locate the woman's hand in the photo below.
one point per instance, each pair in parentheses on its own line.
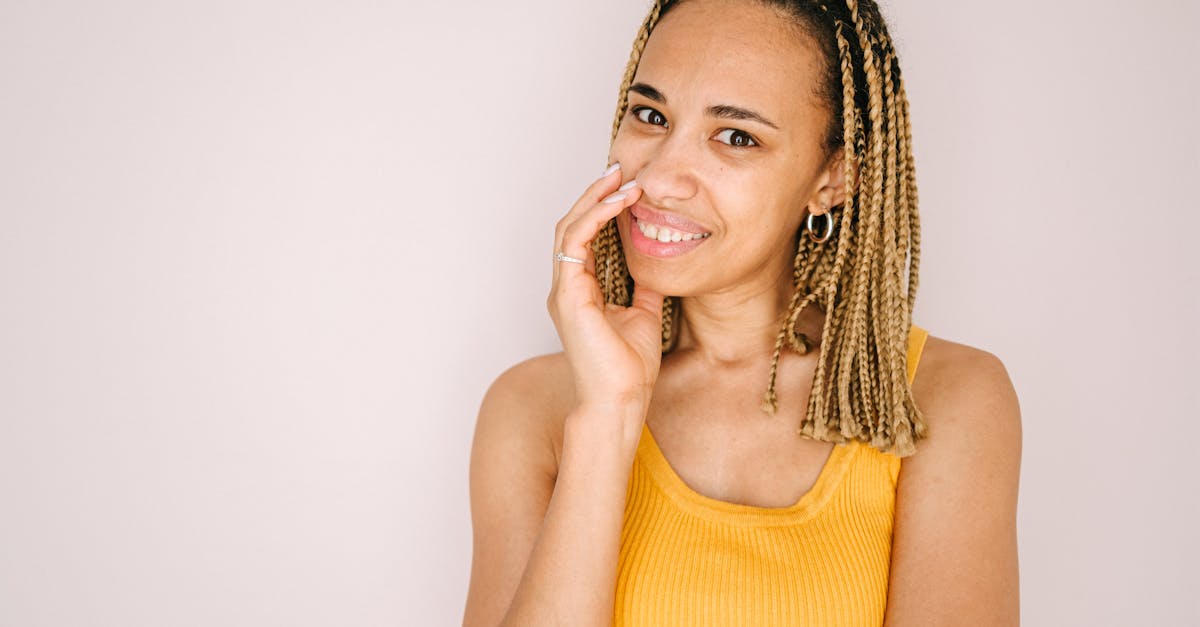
(614,351)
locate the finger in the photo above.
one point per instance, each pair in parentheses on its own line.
(647,299)
(589,262)
(609,182)
(587,225)
(576,284)
(606,184)
(579,234)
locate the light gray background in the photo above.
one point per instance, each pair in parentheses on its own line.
(259,261)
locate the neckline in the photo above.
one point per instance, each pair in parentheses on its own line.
(717,510)
(810,503)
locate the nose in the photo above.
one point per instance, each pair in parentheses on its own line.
(670,171)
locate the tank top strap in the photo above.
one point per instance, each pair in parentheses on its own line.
(916,344)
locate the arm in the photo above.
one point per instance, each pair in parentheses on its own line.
(545,551)
(954,550)
(547,536)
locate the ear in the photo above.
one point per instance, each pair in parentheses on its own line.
(831,184)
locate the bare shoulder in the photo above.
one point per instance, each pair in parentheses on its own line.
(531,398)
(513,468)
(547,377)
(966,392)
(956,497)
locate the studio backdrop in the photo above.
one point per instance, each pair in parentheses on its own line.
(260,260)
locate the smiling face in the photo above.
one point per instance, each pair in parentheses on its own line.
(724,135)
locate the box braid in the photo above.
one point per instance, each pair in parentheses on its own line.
(860,390)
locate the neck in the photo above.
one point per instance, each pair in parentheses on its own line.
(740,324)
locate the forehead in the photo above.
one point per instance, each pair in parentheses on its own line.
(736,52)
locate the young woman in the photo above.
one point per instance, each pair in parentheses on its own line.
(736,432)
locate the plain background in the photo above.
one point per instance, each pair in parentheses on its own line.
(260,260)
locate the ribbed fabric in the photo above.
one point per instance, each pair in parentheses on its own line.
(690,560)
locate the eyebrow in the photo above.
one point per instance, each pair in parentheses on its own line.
(728,112)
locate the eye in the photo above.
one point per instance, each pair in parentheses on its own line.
(736,138)
(649,116)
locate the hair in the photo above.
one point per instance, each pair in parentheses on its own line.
(860,390)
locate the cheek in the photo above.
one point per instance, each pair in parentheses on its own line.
(759,221)
(631,151)
(620,139)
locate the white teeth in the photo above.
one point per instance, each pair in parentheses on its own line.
(665,235)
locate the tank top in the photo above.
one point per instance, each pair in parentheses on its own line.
(688,559)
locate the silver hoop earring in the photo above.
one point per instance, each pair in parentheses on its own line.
(811,230)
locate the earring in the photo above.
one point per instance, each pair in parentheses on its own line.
(828,227)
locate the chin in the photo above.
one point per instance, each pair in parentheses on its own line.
(657,280)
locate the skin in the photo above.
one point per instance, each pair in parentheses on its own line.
(540,456)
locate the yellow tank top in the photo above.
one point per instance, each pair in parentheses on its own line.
(690,560)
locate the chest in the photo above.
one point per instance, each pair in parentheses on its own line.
(748,465)
(686,559)
(720,443)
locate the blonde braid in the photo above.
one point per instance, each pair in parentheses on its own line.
(860,388)
(897,316)
(611,271)
(909,198)
(820,421)
(859,345)
(911,427)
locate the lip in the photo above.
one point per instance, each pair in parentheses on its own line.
(655,248)
(671,220)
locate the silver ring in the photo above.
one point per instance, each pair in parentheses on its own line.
(558,256)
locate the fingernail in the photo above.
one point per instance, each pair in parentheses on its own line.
(628,185)
(615,197)
(612,168)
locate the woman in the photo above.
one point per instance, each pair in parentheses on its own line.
(752,233)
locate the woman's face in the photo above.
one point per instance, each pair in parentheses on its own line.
(724,134)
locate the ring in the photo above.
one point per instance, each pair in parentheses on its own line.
(558,256)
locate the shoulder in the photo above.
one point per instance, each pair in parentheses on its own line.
(956,497)
(513,470)
(529,401)
(541,383)
(967,398)
(539,386)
